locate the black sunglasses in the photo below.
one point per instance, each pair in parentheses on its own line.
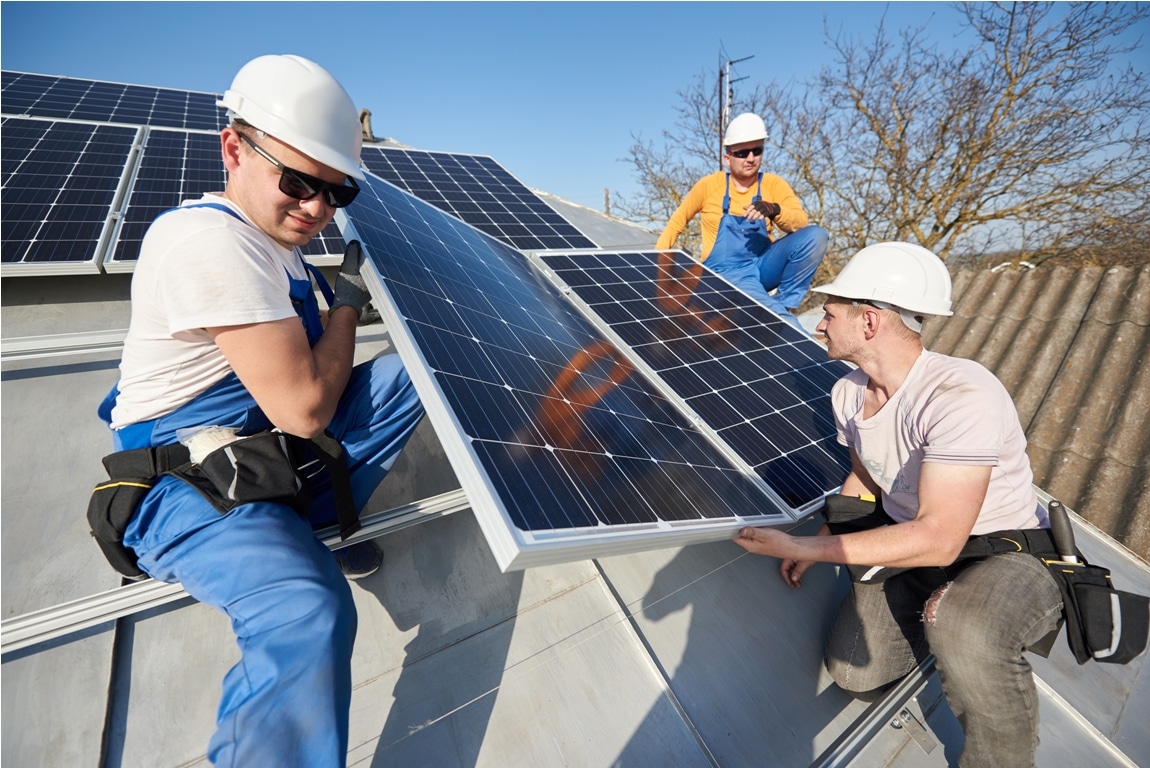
(301,186)
(742,153)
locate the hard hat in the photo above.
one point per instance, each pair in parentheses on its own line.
(746,127)
(895,276)
(298,102)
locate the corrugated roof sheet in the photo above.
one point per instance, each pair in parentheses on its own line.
(1071,346)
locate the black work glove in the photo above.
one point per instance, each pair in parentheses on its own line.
(350,290)
(770,210)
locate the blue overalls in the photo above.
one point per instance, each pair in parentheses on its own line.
(745,256)
(286,701)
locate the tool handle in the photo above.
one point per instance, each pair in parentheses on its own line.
(1061,531)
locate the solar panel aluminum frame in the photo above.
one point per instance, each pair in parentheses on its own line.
(106,239)
(108,263)
(513,547)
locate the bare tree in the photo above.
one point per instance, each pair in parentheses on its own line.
(1030,140)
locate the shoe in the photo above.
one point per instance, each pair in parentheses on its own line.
(361,559)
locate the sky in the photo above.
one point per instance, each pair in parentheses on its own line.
(555,92)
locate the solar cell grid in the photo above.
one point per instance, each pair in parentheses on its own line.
(176,166)
(566,434)
(60,180)
(79,99)
(479,191)
(760,383)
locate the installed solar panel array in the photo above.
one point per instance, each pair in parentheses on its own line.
(480,191)
(566,442)
(88,164)
(91,100)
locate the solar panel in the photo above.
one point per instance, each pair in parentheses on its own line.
(60,181)
(761,384)
(566,446)
(174,166)
(479,191)
(69,98)
(84,154)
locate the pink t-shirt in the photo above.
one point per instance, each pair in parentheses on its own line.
(948,411)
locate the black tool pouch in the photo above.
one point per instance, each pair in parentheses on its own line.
(1102,623)
(112,504)
(261,467)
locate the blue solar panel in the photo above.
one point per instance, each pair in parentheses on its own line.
(480,191)
(59,183)
(762,385)
(176,166)
(566,447)
(69,98)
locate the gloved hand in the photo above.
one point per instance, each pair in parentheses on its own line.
(350,289)
(770,210)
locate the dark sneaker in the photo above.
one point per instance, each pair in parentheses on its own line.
(360,559)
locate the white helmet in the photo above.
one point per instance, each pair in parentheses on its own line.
(298,102)
(746,127)
(898,276)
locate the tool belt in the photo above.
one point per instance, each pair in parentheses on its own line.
(261,467)
(1102,623)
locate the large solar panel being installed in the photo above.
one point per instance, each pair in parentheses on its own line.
(59,183)
(69,98)
(762,385)
(480,191)
(565,446)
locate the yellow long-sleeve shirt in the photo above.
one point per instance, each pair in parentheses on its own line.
(707,196)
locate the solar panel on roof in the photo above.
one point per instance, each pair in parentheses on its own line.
(78,99)
(174,166)
(761,384)
(83,153)
(564,444)
(480,191)
(60,181)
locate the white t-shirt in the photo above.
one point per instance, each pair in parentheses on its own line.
(198,268)
(949,411)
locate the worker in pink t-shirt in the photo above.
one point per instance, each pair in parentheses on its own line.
(937,443)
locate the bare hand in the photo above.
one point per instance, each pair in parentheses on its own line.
(773,542)
(792,571)
(762,541)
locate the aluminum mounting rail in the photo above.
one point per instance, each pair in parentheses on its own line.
(61,344)
(64,619)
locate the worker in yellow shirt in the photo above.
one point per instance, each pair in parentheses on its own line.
(736,206)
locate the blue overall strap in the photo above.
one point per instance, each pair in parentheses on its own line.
(321,281)
(727,193)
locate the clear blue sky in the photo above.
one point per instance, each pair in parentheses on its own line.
(553,91)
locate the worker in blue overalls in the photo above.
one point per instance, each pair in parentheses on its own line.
(739,207)
(227,340)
